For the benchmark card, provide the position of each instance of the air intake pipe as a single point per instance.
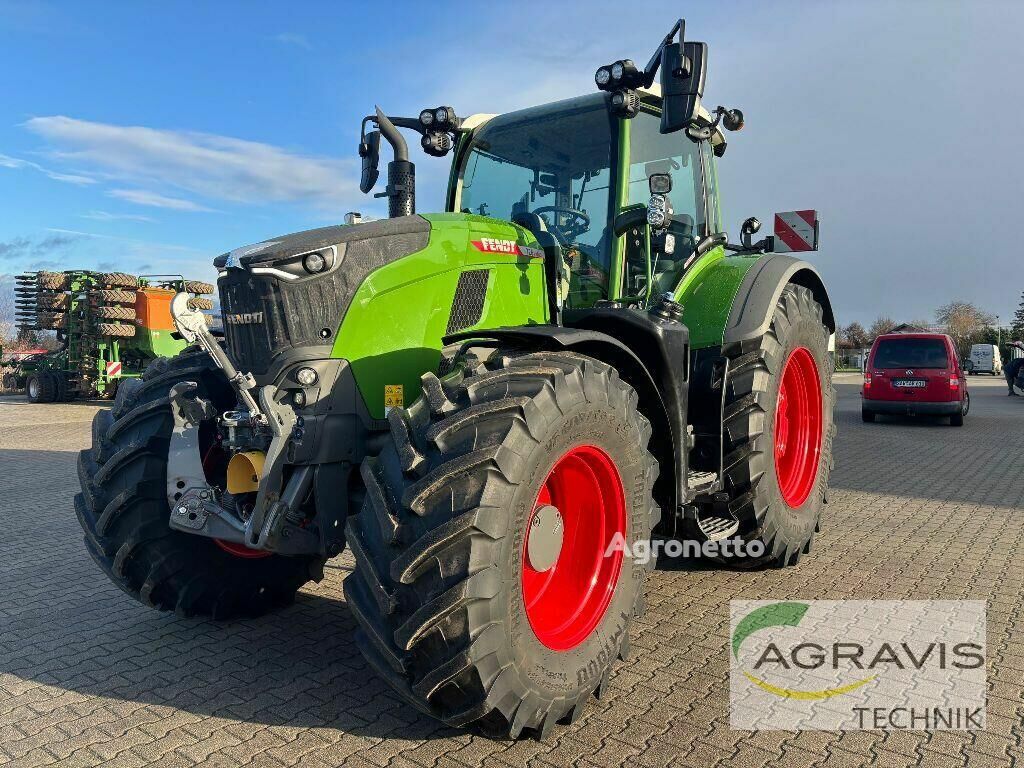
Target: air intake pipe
(401, 188)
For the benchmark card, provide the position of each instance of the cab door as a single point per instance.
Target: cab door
(649, 152)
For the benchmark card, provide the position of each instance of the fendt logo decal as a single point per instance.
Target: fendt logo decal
(490, 245)
(244, 318)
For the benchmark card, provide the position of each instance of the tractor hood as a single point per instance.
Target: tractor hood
(271, 303)
(298, 244)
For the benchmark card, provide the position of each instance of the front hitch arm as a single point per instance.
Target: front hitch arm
(191, 324)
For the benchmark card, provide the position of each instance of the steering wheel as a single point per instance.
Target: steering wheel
(574, 228)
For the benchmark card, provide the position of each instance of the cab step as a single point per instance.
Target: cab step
(717, 527)
(698, 481)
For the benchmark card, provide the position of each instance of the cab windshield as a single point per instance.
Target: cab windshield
(554, 160)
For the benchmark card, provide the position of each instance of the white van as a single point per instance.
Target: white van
(985, 359)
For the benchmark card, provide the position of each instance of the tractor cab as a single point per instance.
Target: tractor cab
(579, 171)
(617, 188)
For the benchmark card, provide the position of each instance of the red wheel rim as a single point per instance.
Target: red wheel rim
(798, 427)
(566, 602)
(240, 550)
(214, 460)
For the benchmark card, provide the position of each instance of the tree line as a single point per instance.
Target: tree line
(966, 323)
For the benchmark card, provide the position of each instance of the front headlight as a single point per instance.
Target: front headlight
(314, 262)
(306, 377)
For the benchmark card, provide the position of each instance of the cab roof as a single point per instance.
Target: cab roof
(474, 121)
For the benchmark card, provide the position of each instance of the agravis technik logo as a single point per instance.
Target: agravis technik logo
(838, 665)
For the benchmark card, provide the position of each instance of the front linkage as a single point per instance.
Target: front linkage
(259, 433)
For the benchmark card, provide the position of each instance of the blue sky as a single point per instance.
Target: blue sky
(154, 136)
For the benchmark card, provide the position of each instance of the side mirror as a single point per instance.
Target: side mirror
(795, 231)
(369, 151)
(683, 69)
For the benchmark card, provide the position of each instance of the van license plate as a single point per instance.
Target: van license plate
(909, 383)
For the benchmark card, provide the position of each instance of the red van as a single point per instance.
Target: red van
(914, 374)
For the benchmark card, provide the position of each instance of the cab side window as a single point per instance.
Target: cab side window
(651, 151)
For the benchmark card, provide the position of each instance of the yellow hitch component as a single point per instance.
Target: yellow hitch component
(244, 472)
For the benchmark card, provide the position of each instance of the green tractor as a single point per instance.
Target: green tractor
(109, 326)
(495, 407)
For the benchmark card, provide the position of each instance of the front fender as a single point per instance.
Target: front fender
(659, 374)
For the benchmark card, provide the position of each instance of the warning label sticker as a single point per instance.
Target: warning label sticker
(394, 396)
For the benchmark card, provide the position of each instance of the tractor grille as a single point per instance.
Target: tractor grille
(264, 316)
(468, 304)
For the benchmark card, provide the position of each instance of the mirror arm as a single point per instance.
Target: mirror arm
(709, 242)
(395, 139)
(651, 70)
(764, 245)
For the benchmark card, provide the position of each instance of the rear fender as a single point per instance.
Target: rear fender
(758, 293)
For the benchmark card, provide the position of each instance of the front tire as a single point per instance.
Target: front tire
(124, 512)
(453, 612)
(778, 432)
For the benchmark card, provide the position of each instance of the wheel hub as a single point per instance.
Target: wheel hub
(544, 538)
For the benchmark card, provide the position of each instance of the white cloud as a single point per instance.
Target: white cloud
(131, 240)
(293, 38)
(6, 161)
(145, 197)
(106, 216)
(212, 166)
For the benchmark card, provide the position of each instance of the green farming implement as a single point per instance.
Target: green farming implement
(495, 407)
(109, 327)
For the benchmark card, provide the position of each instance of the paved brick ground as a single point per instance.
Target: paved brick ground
(88, 677)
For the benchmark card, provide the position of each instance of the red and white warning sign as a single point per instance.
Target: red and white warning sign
(491, 245)
(113, 369)
(796, 231)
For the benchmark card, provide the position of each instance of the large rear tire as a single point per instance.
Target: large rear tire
(778, 432)
(123, 510)
(457, 610)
